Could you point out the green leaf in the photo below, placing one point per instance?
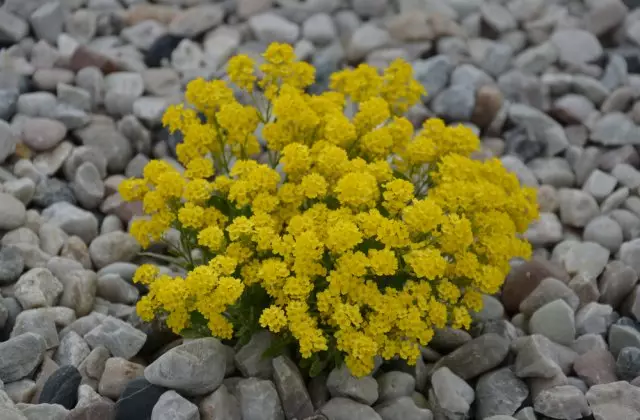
(191, 333)
(220, 203)
(277, 348)
(398, 174)
(317, 366)
(161, 257)
(198, 320)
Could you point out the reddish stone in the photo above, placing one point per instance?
(85, 57)
(523, 279)
(596, 367)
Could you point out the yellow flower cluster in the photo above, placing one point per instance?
(363, 236)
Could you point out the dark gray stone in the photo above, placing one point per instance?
(628, 363)
(137, 400)
(62, 387)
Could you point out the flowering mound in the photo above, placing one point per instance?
(357, 239)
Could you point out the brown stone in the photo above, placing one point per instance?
(596, 367)
(157, 12)
(410, 27)
(524, 278)
(488, 102)
(85, 57)
(99, 410)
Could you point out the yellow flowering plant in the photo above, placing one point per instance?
(357, 239)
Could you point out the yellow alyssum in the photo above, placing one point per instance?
(356, 240)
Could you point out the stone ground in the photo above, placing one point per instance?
(552, 87)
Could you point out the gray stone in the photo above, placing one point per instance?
(196, 20)
(594, 318)
(172, 406)
(13, 212)
(576, 46)
(92, 80)
(600, 184)
(450, 395)
(112, 247)
(269, 27)
(83, 154)
(8, 139)
(74, 96)
(577, 208)
(621, 336)
(12, 27)
(588, 258)
(627, 175)
(21, 391)
(402, 408)
(291, 387)
(71, 219)
(47, 21)
(104, 135)
(11, 265)
(73, 350)
(616, 283)
(615, 129)
(220, 405)
(540, 127)
(149, 109)
(161, 82)
(604, 231)
(115, 289)
(433, 73)
(37, 322)
(9, 413)
(220, 44)
(42, 134)
(92, 367)
(539, 357)
(20, 356)
(125, 83)
(553, 171)
(394, 385)
(547, 291)
(346, 409)
(259, 400)
(616, 400)
(341, 383)
(319, 29)
(497, 17)
(630, 254)
(52, 238)
(79, 290)
(545, 231)
(616, 72)
(88, 186)
(573, 109)
(367, 38)
(499, 392)
(555, 320)
(37, 288)
(143, 34)
(44, 411)
(562, 402)
(455, 103)
(36, 104)
(476, 356)
(194, 368)
(120, 338)
(628, 363)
